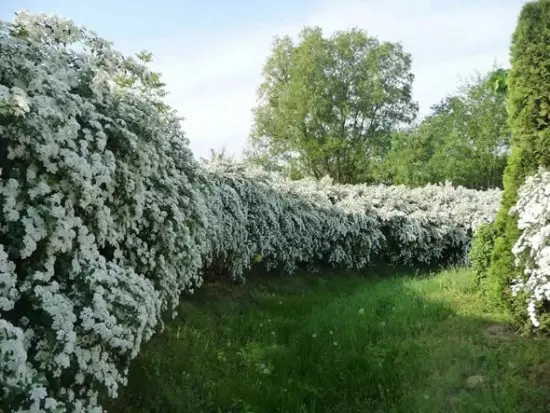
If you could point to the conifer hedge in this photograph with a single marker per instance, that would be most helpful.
(529, 117)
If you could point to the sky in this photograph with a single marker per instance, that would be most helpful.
(211, 52)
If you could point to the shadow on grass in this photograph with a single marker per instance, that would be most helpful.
(337, 343)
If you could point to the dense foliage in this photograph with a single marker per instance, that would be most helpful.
(342, 107)
(529, 117)
(106, 219)
(96, 214)
(430, 225)
(481, 250)
(328, 106)
(464, 140)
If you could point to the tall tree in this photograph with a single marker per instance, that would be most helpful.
(328, 106)
(529, 117)
(464, 140)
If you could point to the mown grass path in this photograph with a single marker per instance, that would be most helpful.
(340, 343)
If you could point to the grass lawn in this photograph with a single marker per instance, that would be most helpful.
(340, 343)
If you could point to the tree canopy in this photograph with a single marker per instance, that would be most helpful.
(464, 139)
(328, 106)
(528, 83)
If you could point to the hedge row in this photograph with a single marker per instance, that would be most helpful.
(106, 218)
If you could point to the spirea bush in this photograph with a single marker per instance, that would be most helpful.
(259, 217)
(106, 218)
(532, 249)
(96, 214)
(428, 226)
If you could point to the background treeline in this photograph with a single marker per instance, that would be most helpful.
(342, 106)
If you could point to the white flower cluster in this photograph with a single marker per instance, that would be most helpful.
(256, 220)
(532, 249)
(428, 225)
(106, 218)
(95, 215)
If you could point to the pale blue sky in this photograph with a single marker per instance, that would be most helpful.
(211, 52)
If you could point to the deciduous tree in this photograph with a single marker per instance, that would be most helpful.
(464, 140)
(328, 106)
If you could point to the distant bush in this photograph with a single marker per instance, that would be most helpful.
(529, 118)
(106, 218)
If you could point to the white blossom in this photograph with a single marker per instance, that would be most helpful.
(532, 249)
(106, 218)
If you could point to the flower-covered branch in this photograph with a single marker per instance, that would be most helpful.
(532, 249)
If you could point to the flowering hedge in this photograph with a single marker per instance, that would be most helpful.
(97, 214)
(255, 221)
(430, 225)
(106, 218)
(532, 249)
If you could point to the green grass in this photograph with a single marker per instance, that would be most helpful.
(339, 343)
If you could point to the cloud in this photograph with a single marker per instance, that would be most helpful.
(214, 85)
